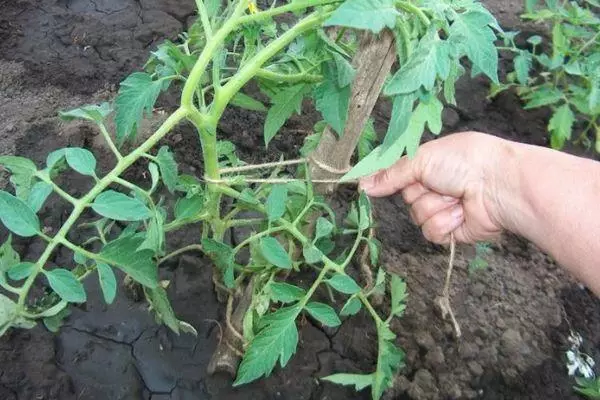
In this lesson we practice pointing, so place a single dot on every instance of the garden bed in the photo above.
(515, 315)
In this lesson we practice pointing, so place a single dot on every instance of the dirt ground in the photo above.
(515, 315)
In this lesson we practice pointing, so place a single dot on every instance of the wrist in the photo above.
(510, 208)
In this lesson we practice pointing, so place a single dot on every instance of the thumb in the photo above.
(390, 180)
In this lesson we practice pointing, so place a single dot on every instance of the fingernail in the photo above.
(449, 199)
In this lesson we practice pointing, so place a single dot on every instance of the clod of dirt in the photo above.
(423, 386)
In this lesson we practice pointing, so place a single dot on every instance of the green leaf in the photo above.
(21, 271)
(522, 64)
(66, 285)
(364, 212)
(530, 5)
(277, 340)
(389, 360)
(561, 125)
(108, 282)
(425, 113)
(373, 15)
(352, 307)
(333, 102)
(137, 94)
(345, 70)
(379, 287)
(154, 175)
(93, 112)
(17, 217)
(168, 168)
(189, 207)
(212, 7)
(248, 103)
(8, 256)
(23, 173)
(374, 246)
(223, 257)
(544, 96)
(312, 254)
(535, 40)
(276, 202)
(421, 68)
(574, 68)
(54, 159)
(285, 103)
(367, 140)
(401, 111)
(155, 235)
(285, 293)
(162, 307)
(399, 295)
(323, 313)
(120, 207)
(456, 72)
(343, 284)
(38, 195)
(472, 34)
(594, 97)
(274, 253)
(9, 316)
(54, 322)
(351, 219)
(358, 381)
(124, 254)
(169, 59)
(81, 160)
(248, 196)
(323, 229)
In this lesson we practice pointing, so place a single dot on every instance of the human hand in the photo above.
(453, 185)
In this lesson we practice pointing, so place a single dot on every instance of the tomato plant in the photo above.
(294, 228)
(564, 74)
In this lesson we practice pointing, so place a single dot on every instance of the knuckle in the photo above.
(382, 177)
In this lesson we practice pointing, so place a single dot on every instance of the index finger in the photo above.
(391, 180)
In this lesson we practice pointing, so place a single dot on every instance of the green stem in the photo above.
(370, 308)
(411, 8)
(350, 256)
(193, 81)
(588, 43)
(314, 286)
(102, 184)
(248, 71)
(288, 78)
(191, 247)
(178, 223)
(244, 222)
(294, 6)
(44, 177)
(404, 36)
(257, 236)
(10, 288)
(109, 141)
(204, 19)
(307, 207)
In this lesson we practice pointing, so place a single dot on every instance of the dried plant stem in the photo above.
(228, 313)
(444, 300)
(365, 265)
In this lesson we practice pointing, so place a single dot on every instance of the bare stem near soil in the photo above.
(444, 300)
